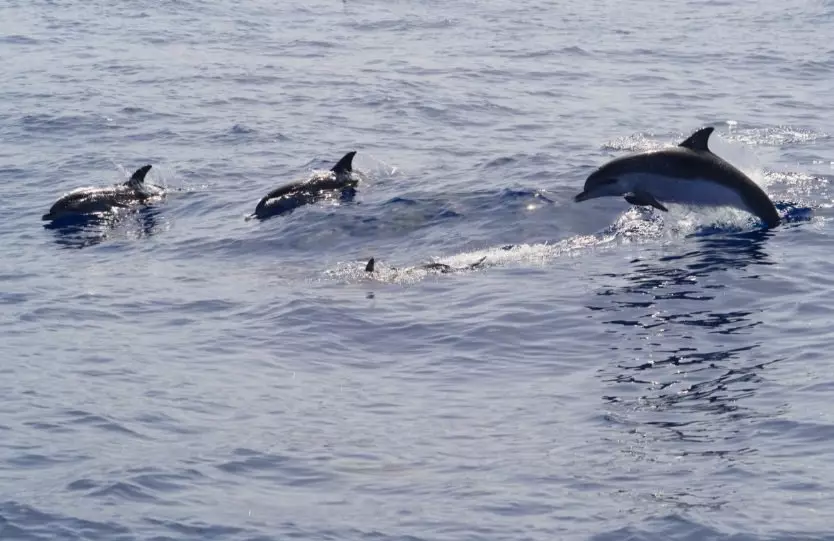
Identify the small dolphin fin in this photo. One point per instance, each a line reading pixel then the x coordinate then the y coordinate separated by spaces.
pixel 698 140
pixel 139 176
pixel 370 266
pixel 345 165
pixel 644 199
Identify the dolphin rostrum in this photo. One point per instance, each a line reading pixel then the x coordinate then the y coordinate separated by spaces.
pixel 340 179
pixel 688 174
pixel 89 201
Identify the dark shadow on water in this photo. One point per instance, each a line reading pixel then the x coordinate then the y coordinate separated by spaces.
pixel 678 276
pixel 83 231
pixel 685 355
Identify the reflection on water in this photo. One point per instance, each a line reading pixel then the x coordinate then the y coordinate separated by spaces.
pixel 684 364
pixel 90 230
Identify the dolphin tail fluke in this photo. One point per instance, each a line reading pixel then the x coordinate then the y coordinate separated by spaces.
pixel 139 176
pixel 370 266
pixel 345 165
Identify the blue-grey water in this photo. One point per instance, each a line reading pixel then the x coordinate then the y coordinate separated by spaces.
pixel 609 373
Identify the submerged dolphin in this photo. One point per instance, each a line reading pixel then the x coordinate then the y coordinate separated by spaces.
pixel 440 267
pixel 89 201
pixel 688 174
pixel 321 184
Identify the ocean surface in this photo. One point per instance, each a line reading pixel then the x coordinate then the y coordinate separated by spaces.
pixel 608 373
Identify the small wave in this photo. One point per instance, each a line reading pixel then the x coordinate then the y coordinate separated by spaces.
pixel 509 193
pixel 19 40
pixel 61 124
pixel 21 521
pixel 78 417
pixel 539 158
pixel 797 179
pixel 284 469
pixel 35 460
pixel 635 143
pixel 238 133
pixel 775 136
pixel 148 486
pixel 314 44
pixel 167 482
pixel 543 53
pixel 407 24
pixel 121 492
pixel 240 128
pixel 199 530
pixel 792 212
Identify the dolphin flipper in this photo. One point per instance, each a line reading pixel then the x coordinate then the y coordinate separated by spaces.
pixel 345 165
pixel 644 199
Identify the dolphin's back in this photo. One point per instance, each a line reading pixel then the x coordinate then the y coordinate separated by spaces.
pixel 97 200
pixel 305 191
pixel 93 199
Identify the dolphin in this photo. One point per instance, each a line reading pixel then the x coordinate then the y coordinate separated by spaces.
pixel 688 174
pixel 90 201
pixel 440 267
pixel 321 184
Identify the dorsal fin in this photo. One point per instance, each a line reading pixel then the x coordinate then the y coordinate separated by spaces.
pixel 370 266
pixel 139 176
pixel 698 140
pixel 345 165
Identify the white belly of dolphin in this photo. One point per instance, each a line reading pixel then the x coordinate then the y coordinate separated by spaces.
pixel 695 191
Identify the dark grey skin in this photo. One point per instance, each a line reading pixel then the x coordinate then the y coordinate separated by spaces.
pixel 689 174
pixel 340 179
pixel 439 267
pixel 91 201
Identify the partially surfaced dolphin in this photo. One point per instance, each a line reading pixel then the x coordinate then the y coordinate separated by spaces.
pixel 340 179
pixel 91 201
pixel 688 174
pixel 442 268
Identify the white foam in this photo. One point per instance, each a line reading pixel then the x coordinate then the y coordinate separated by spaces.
pixel 635 226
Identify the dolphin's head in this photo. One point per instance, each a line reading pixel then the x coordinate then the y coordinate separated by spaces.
pixel 607 180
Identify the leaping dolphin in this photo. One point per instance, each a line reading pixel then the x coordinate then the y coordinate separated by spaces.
pixel 90 201
pixel 688 174
pixel 340 179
